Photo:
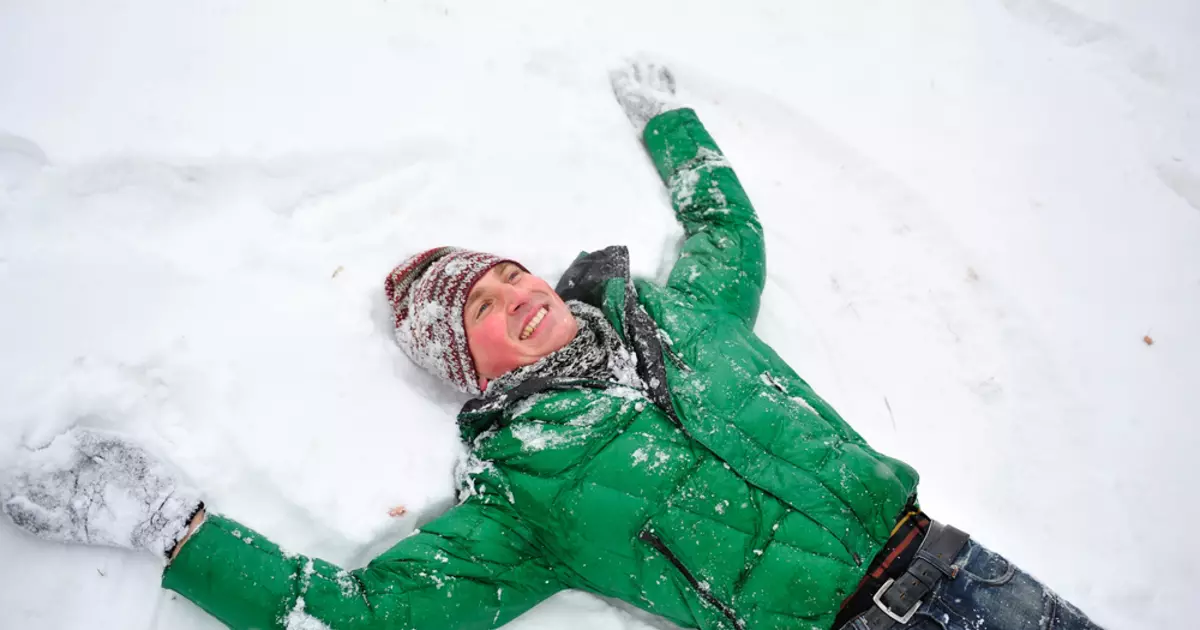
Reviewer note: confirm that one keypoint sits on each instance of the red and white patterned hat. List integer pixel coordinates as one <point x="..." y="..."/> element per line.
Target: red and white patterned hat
<point x="428" y="293"/>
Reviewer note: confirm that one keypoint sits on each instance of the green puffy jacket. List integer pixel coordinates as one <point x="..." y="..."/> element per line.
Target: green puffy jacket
<point x="725" y="495"/>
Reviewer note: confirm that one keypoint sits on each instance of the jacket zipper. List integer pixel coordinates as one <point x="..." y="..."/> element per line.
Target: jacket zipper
<point x="654" y="541"/>
<point x="670" y="352"/>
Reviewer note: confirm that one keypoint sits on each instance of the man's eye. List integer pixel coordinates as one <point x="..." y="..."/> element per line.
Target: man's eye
<point x="482" y="308"/>
<point x="514" y="275"/>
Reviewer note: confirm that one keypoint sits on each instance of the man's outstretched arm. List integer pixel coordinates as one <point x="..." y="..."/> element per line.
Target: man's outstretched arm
<point x="722" y="264"/>
<point x="476" y="567"/>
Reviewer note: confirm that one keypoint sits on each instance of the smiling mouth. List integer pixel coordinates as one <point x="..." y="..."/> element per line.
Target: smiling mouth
<point x="533" y="323"/>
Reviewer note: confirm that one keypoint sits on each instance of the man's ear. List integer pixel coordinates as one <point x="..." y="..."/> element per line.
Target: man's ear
<point x="483" y="384"/>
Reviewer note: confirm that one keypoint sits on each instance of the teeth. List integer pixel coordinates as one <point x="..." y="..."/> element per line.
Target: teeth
<point x="533" y="323"/>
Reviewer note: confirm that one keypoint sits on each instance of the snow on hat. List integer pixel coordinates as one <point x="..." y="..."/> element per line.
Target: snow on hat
<point x="428" y="293"/>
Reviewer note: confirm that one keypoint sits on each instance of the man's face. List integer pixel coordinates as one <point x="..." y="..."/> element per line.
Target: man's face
<point x="513" y="318"/>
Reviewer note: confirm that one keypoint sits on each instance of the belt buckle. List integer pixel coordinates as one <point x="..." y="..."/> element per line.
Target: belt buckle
<point x="878" y="599"/>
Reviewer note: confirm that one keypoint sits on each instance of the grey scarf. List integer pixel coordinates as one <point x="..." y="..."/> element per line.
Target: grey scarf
<point x="596" y="353"/>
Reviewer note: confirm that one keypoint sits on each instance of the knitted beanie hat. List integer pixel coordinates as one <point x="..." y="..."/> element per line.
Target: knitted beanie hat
<point x="428" y="293"/>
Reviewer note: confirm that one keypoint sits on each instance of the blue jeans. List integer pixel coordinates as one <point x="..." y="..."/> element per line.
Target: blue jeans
<point x="990" y="593"/>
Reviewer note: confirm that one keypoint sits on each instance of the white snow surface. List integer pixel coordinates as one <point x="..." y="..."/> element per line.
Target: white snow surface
<point x="975" y="212"/>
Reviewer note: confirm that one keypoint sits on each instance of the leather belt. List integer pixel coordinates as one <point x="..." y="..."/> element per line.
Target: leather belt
<point x="899" y="599"/>
<point x="891" y="561"/>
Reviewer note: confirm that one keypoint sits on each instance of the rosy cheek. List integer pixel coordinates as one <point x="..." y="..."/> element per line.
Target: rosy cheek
<point x="489" y="344"/>
<point x="482" y="337"/>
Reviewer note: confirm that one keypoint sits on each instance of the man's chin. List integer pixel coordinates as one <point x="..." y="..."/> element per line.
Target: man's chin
<point x="532" y="356"/>
<point x="535" y="353"/>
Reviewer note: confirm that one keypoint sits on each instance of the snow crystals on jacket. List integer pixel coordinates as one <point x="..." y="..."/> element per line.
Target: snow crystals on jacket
<point x="720" y="492"/>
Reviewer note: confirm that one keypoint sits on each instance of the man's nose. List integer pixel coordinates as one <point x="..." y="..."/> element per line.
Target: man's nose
<point x="514" y="298"/>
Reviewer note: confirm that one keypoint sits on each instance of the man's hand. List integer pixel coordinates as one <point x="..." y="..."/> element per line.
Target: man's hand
<point x="95" y="488"/>
<point x="644" y="90"/>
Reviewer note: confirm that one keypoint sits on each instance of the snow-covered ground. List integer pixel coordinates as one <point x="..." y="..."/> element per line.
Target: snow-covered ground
<point x="975" y="211"/>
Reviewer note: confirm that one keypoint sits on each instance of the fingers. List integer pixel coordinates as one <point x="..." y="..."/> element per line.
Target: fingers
<point x="619" y="80"/>
<point x="8" y="495"/>
<point x="645" y="75"/>
<point x="32" y="518"/>
<point x="644" y="89"/>
<point x="659" y="78"/>
<point x="102" y="444"/>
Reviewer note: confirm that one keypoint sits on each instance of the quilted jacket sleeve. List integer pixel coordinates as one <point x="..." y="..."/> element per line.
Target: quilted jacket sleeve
<point x="475" y="567"/>
<point x="723" y="260"/>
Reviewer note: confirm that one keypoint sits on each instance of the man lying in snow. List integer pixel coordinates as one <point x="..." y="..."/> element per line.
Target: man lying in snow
<point x="627" y="439"/>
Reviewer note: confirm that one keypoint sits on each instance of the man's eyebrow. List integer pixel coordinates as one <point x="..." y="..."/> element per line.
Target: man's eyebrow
<point x="473" y="296"/>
